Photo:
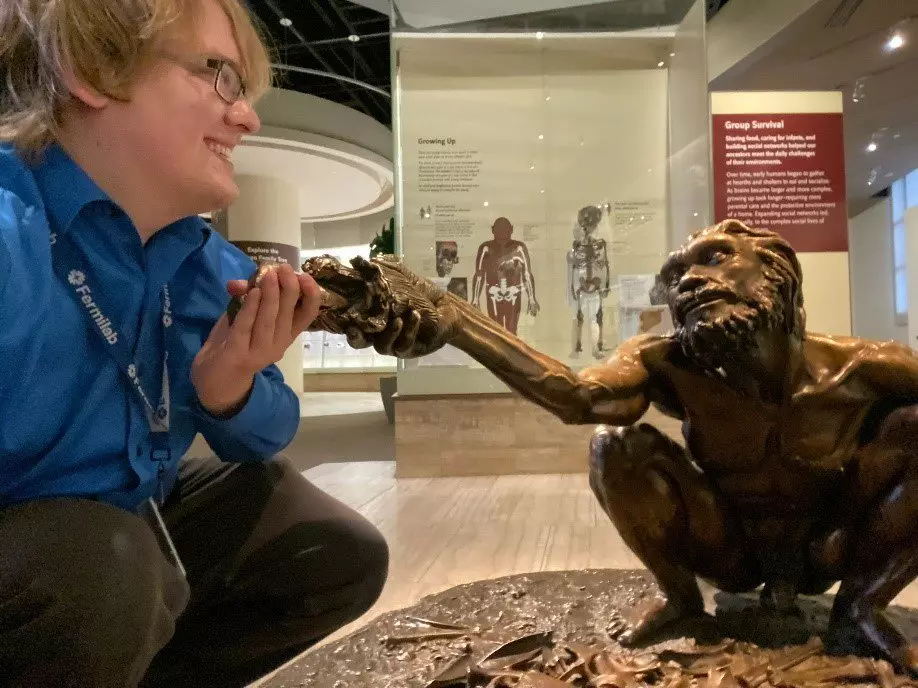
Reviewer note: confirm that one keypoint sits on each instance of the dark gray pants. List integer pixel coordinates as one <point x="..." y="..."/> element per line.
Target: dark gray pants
<point x="87" y="597"/>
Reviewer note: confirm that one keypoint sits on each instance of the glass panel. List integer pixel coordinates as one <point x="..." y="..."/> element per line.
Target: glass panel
<point x="535" y="151"/>
<point x="898" y="200"/>
<point x="901" y="291"/>
<point x="911" y="189"/>
<point x="899" y="251"/>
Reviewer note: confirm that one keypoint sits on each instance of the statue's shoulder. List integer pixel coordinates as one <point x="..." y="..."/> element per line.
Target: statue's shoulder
<point x="841" y="358"/>
<point x="854" y="347"/>
<point x="652" y="349"/>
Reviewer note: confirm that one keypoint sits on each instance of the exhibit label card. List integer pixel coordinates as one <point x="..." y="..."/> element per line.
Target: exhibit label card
<point x="784" y="172"/>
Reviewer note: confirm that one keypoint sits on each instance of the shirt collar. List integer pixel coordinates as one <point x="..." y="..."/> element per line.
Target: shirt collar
<point x="65" y="188"/>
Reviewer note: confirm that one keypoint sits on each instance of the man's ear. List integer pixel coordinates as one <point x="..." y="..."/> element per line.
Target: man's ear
<point x="86" y="94"/>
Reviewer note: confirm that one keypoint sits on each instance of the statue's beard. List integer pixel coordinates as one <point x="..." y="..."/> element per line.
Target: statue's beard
<point x="731" y="336"/>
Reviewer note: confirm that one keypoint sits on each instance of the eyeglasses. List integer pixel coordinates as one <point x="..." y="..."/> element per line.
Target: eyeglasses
<point x="228" y="83"/>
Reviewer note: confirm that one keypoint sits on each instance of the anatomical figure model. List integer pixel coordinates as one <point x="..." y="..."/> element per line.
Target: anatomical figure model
<point x="801" y="462"/>
<point x="588" y="267"/>
<point x="503" y="271"/>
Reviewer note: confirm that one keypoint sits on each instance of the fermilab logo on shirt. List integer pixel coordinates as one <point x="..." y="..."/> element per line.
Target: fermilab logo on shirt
<point x="78" y="280"/>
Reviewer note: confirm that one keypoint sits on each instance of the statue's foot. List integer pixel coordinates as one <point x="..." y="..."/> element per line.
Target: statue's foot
<point x="873" y="636"/>
<point x="670" y="620"/>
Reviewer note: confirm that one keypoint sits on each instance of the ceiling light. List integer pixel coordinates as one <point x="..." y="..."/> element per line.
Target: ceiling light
<point x="486" y="204"/>
<point x="542" y="191"/>
<point x="661" y="63"/>
<point x="541" y="136"/>
<point x="540" y="35"/>
<point x="285" y="22"/>
<point x="353" y="38"/>
<point x="895" y="41"/>
<point x="672" y="54"/>
<point x="694" y="214"/>
<point x="532" y="167"/>
<point x="871" y="147"/>
<point x="547" y="97"/>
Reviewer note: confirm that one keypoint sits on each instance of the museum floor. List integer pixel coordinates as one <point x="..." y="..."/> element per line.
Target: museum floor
<point x="447" y="531"/>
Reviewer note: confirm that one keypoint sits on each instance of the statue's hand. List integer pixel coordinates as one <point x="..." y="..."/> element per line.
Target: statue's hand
<point x="381" y="303"/>
<point x="533" y="308"/>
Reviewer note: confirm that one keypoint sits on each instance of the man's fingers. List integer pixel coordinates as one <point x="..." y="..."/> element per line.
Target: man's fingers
<point x="266" y="320"/>
<point x="310" y="298"/>
<point x="240" y="335"/>
<point x="220" y="331"/>
<point x="237" y="287"/>
<point x="289" y="295"/>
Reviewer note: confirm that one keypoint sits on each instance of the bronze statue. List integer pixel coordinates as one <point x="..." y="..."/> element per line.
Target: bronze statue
<point x="801" y="461"/>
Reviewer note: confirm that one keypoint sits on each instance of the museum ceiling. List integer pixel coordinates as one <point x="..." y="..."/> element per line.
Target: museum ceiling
<point x="351" y="39"/>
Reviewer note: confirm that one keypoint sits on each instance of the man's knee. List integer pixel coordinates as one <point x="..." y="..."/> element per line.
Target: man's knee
<point x="94" y="595"/>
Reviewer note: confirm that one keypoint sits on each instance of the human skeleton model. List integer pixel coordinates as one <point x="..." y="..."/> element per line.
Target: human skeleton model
<point x="588" y="262"/>
<point x="503" y="271"/>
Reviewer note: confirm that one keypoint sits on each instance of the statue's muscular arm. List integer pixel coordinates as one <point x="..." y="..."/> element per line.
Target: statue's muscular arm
<point x="615" y="393"/>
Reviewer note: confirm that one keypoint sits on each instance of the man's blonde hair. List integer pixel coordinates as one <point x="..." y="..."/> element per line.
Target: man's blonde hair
<point x="105" y="44"/>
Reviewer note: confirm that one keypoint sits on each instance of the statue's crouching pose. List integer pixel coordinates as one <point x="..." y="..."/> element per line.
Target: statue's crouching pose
<point x="801" y="461"/>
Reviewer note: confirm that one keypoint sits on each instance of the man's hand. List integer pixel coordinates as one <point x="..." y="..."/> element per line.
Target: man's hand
<point x="274" y="313"/>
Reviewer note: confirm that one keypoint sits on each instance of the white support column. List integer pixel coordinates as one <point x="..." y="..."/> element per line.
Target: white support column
<point x="268" y="211"/>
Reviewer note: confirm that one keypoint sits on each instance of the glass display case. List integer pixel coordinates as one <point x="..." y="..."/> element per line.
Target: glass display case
<point x="548" y="156"/>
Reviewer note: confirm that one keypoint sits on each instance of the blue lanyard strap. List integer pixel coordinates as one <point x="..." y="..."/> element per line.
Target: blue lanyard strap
<point x="70" y="268"/>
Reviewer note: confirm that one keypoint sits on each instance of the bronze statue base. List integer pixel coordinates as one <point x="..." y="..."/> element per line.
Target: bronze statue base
<point x="566" y="624"/>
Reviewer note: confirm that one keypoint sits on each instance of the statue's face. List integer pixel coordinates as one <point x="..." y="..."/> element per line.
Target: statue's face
<point x="720" y="297"/>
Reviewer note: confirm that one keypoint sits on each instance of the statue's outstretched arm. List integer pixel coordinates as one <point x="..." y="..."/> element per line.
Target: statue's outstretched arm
<point x="383" y="304"/>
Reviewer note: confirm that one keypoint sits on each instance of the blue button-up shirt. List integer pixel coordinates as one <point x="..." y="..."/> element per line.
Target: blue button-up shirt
<point x="70" y="425"/>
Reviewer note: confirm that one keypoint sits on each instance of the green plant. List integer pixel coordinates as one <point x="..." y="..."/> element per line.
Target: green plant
<point x="384" y="242"/>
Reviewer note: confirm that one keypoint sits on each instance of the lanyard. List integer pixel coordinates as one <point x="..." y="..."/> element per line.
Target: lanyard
<point x="70" y="268"/>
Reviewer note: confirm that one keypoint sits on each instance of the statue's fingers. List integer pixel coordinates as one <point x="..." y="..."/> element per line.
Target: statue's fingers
<point x="405" y="345"/>
<point x="355" y="338"/>
<point x="385" y="340"/>
<point x="368" y="271"/>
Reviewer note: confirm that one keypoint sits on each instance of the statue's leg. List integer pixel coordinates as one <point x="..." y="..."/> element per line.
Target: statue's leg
<point x="670" y="515"/>
<point x="883" y="544"/>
